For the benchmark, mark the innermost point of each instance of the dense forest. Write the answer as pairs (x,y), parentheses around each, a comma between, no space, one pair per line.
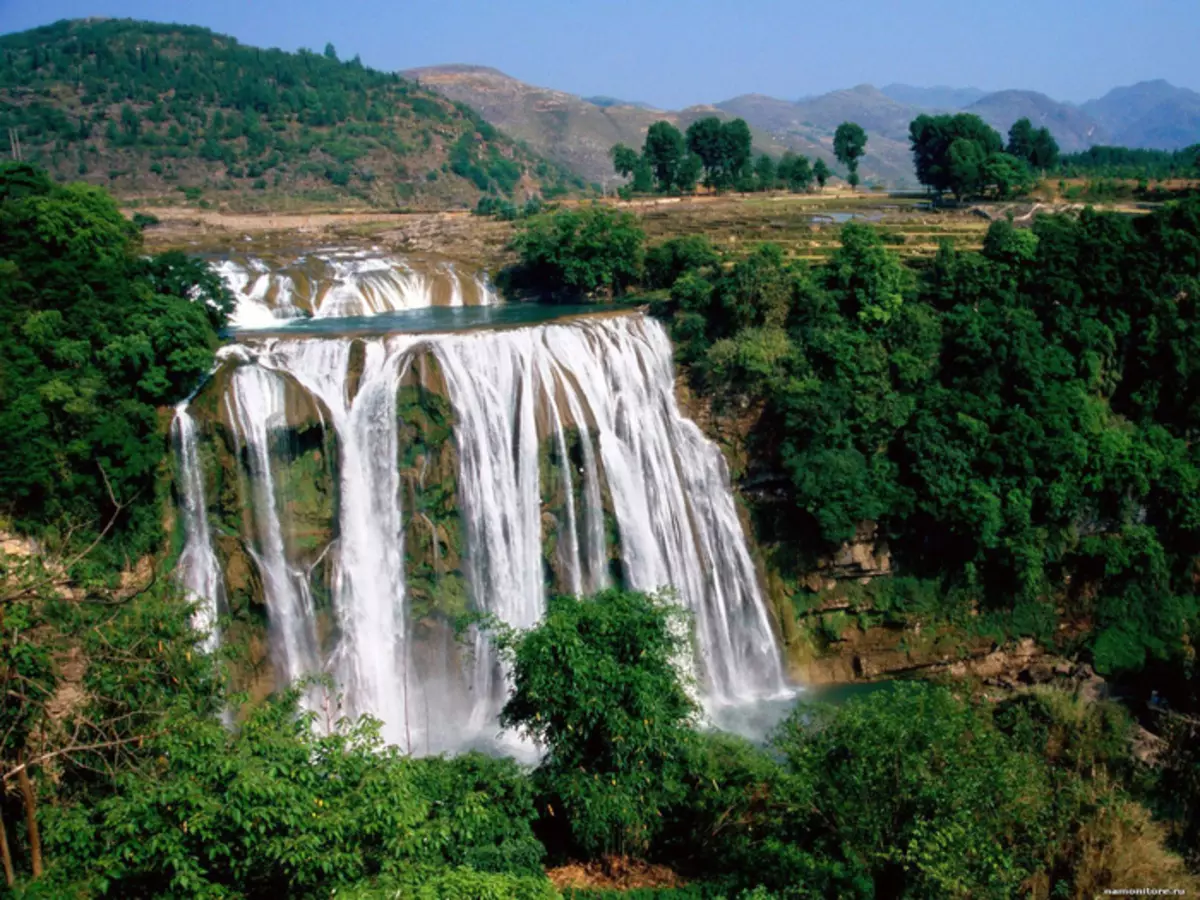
(1123,162)
(166,110)
(1019,422)
(716,153)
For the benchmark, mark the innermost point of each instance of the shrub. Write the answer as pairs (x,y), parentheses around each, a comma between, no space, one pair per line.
(597,685)
(591,251)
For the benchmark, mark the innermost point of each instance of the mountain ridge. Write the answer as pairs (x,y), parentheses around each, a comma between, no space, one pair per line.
(1073,129)
(149,110)
(566,128)
(578,132)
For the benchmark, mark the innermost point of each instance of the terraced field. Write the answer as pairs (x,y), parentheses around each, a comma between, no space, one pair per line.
(808,227)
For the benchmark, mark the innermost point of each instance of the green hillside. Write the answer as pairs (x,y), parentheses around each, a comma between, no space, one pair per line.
(168,111)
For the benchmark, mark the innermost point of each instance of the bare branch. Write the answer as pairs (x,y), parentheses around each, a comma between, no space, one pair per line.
(77,748)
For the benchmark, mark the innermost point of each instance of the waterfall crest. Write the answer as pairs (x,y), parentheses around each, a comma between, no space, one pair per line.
(339,282)
(512,463)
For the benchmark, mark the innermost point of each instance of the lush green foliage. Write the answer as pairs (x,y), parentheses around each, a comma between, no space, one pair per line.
(596,684)
(721,151)
(1035,147)
(821,172)
(849,143)
(271,810)
(1019,422)
(910,792)
(963,154)
(1123,162)
(722,147)
(591,251)
(139,105)
(94,340)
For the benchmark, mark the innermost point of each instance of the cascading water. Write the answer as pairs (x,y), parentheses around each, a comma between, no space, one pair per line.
(256,408)
(569,450)
(199,569)
(336,283)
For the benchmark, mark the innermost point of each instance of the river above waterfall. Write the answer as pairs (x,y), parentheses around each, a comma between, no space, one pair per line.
(430,319)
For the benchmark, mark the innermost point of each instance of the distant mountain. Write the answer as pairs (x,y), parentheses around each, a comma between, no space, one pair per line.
(940,97)
(605,102)
(1073,128)
(1151,114)
(566,128)
(150,110)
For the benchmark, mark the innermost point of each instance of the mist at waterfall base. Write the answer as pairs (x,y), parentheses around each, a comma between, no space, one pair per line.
(583,411)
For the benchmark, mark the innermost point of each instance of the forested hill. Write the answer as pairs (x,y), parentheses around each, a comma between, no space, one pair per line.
(152,110)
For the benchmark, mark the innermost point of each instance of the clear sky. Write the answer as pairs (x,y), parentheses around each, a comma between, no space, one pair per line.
(674,53)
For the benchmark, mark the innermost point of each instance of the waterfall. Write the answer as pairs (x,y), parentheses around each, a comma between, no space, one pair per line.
(368,589)
(199,571)
(336,283)
(256,408)
(555,428)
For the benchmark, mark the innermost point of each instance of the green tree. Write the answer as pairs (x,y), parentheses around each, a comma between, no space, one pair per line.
(1020,139)
(932,138)
(849,144)
(271,809)
(690,170)
(94,338)
(1035,147)
(965,161)
(705,140)
(667,261)
(795,171)
(1007,174)
(625,159)
(736,137)
(821,172)
(591,251)
(893,814)
(765,172)
(664,150)
(596,684)
(724,148)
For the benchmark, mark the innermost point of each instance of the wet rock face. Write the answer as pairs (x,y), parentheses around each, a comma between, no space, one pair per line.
(428,465)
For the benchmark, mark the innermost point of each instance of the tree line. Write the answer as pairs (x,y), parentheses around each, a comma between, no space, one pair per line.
(965,156)
(959,154)
(1124,162)
(720,156)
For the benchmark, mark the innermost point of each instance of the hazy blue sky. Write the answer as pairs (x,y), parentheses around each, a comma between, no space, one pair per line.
(679,52)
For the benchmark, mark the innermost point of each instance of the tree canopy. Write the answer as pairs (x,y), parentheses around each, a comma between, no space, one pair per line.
(594,250)
(724,148)
(964,155)
(849,143)
(95,338)
(1035,147)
